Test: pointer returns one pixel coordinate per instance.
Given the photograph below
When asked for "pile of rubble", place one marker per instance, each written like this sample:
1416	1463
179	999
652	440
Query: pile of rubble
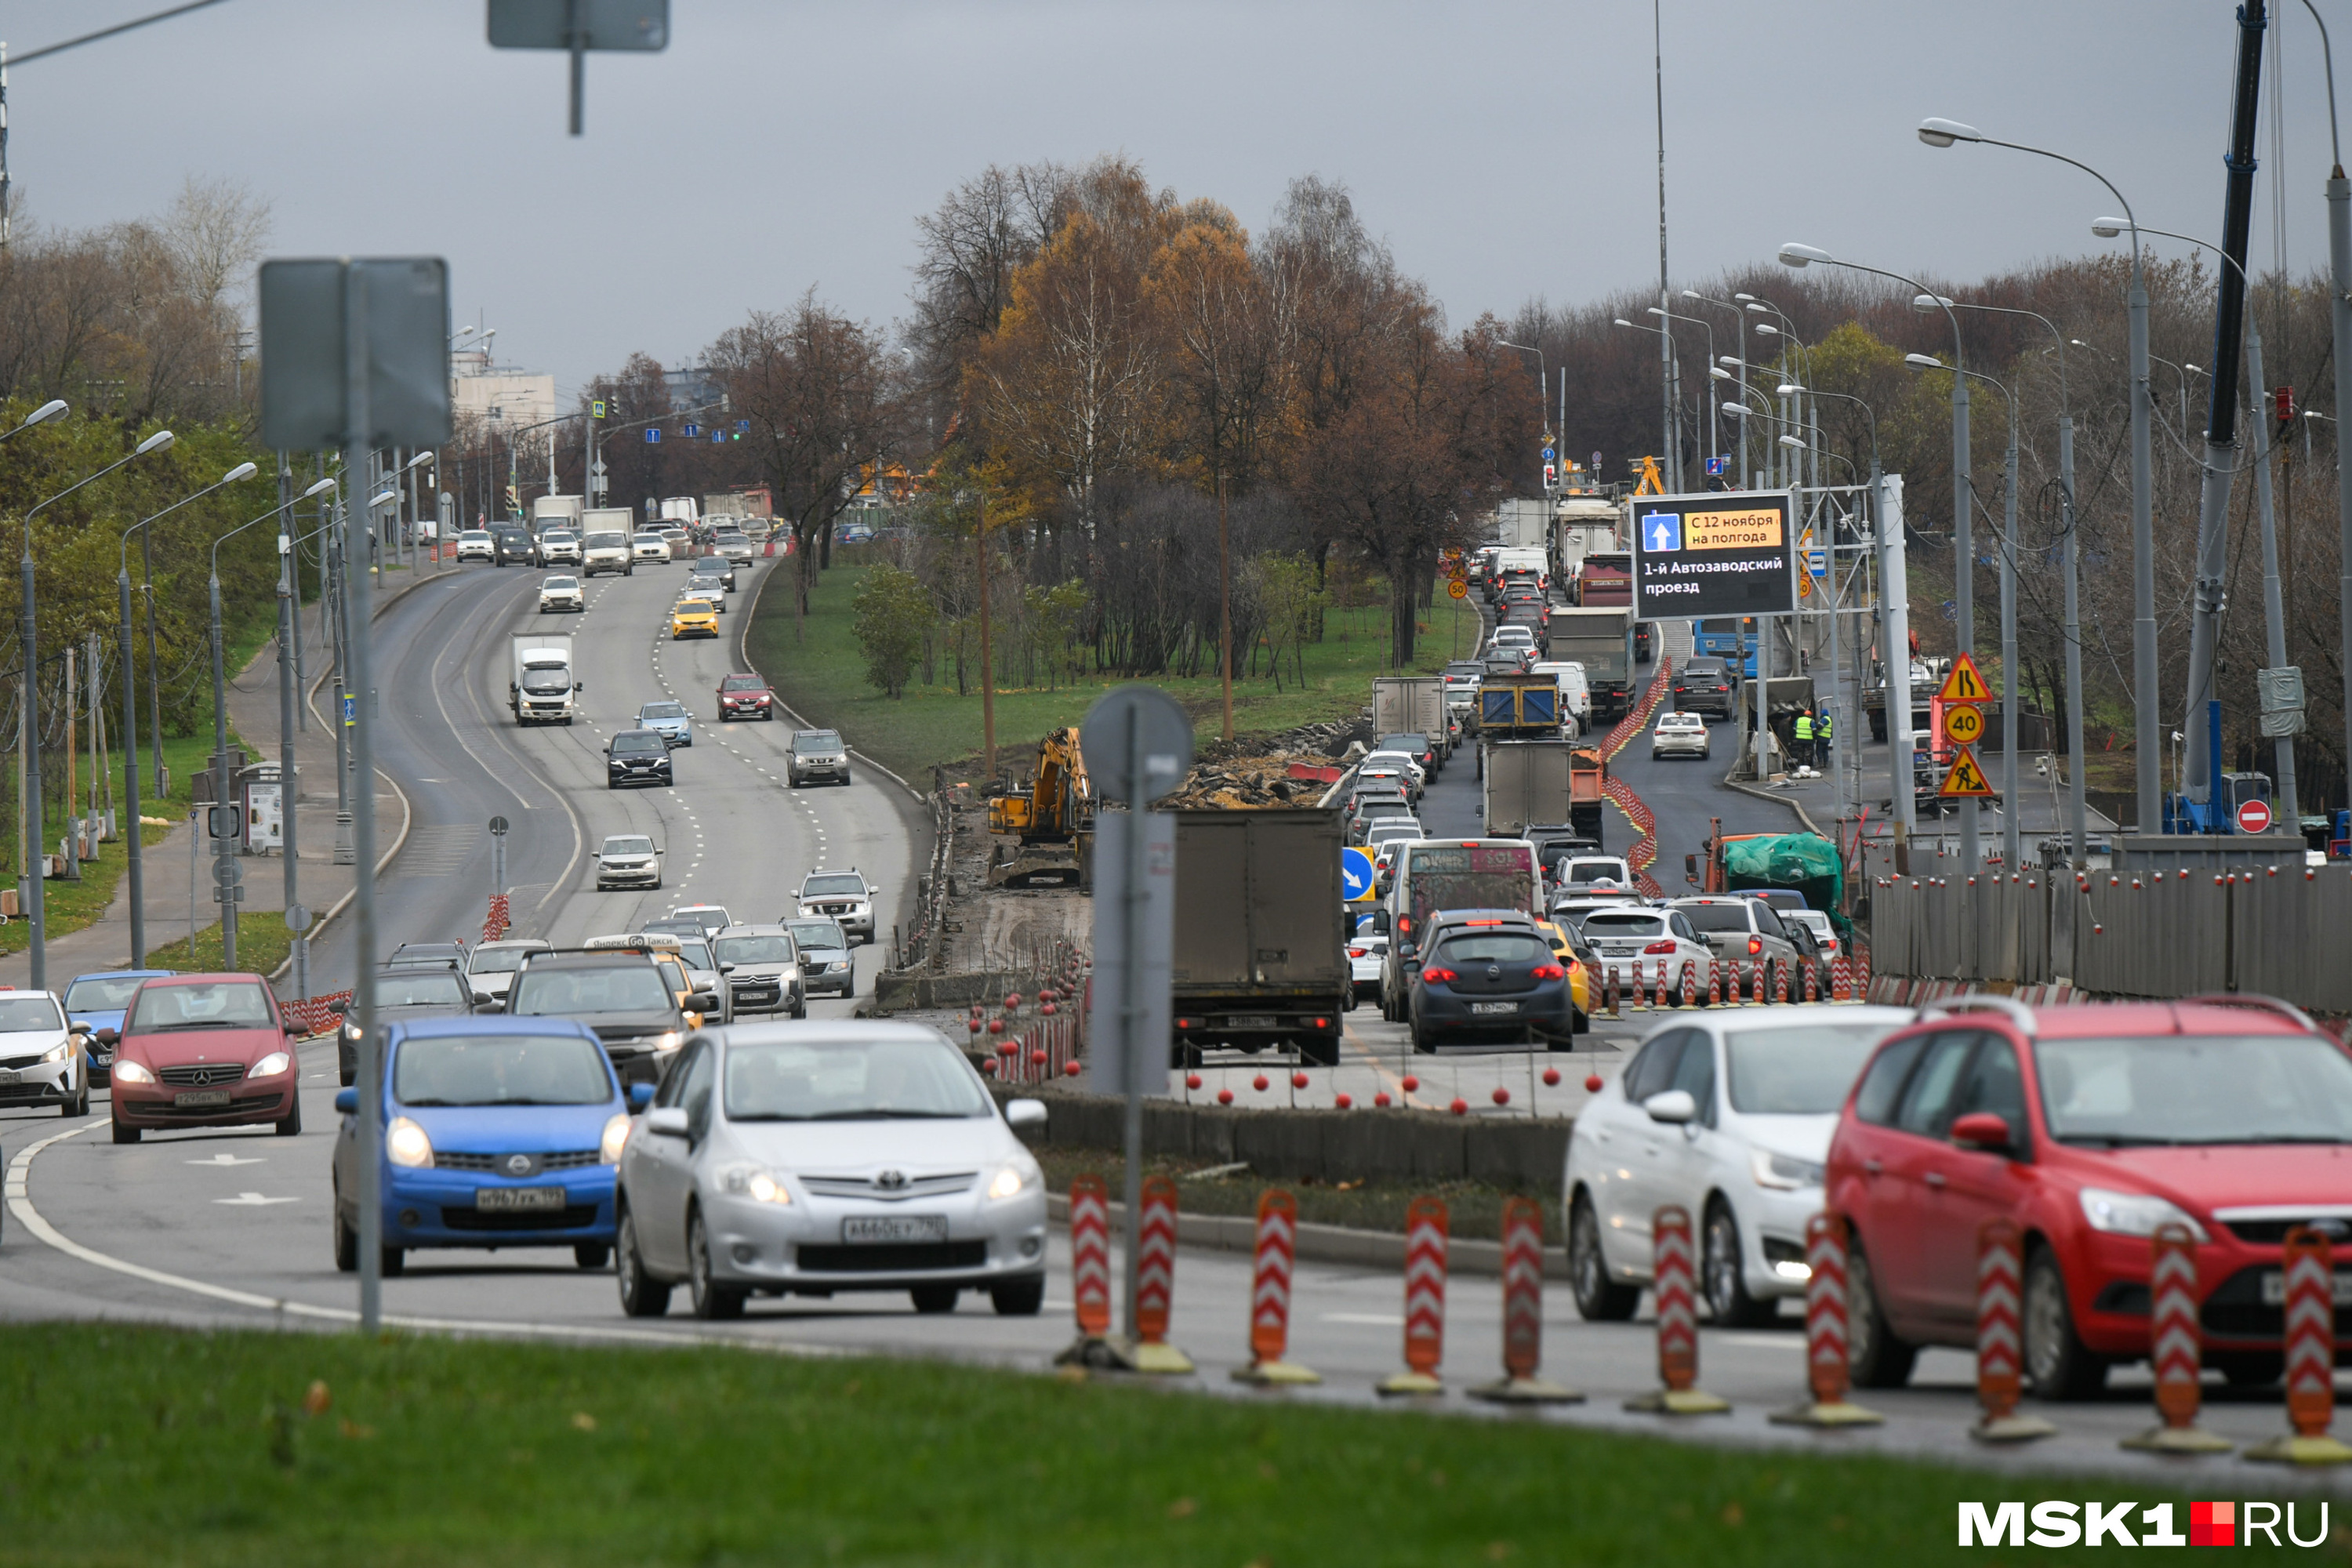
1254	771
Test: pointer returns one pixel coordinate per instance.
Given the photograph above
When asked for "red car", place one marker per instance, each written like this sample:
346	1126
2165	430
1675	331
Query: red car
205	1050
745	697
2089	1126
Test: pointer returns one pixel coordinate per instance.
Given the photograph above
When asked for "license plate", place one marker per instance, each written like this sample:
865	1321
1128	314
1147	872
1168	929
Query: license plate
890	1227
2274	1289
1494	1006
201	1097
11	1077
496	1200
1251	1021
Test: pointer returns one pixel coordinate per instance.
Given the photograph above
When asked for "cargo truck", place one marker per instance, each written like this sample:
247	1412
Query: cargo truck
1531	782
1261	953
542	685
556	511
1601	640
1412	705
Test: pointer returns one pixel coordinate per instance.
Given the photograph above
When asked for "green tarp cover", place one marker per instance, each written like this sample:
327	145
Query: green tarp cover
1802	862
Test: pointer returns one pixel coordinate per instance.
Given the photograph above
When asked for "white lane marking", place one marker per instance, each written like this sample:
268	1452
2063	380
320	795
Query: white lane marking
1374	1319
254	1201
225	1161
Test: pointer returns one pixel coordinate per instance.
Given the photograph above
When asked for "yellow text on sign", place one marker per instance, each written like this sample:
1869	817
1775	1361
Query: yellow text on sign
1757	528
1964	723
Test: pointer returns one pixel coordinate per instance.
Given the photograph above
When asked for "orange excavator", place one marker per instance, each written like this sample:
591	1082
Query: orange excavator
1045	817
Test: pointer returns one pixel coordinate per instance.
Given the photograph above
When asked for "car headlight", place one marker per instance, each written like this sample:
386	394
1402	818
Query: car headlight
273	1064
750	1182
1012	1180
1785	1173
131	1072
405	1143
2135	1213
58	1052
616	1133
669	1042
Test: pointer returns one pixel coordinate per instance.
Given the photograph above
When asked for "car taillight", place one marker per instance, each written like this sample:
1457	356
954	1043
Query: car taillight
1723	688
1440	976
1357	952
1666	947
1546	972
1754	946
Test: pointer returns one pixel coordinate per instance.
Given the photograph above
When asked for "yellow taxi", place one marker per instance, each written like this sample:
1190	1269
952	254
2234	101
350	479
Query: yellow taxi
1580	983
693	618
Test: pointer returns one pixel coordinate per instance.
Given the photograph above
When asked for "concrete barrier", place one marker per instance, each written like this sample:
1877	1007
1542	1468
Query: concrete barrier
1324	1243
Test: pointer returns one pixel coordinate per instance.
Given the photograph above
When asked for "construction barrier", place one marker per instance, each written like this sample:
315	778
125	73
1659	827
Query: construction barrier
1659	995
1277	1245
1523	1313
1713	984
2176	1349
1673	1275
313	1016
2310	1269
1841	980
1155	1283
1780	983
1611	1002
1425	1298
1690	986
2000	1288
1828	1376
499	920
1089	1271
1812	984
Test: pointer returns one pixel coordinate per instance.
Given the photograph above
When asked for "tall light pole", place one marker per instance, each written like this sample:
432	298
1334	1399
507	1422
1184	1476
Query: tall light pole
1713	420
2147	722
1714	367
28	653
2339	293
1672	458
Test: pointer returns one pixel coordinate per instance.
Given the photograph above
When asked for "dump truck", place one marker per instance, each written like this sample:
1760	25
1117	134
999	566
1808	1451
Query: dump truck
1045	817
1548	782
540	684
1601	640
1804	863
1261	952
1521	706
1412	705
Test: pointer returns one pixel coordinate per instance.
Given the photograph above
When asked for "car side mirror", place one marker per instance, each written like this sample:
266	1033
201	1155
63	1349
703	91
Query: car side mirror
1381	921
293	1030
347	1101
1674	1107
1025	1114
1984	1131
579	685
669	1121
1690	870
339	1006
640	1096
727	969
703	1001
107	1036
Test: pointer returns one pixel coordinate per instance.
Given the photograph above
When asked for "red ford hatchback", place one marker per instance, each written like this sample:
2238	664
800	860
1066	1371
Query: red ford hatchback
205	1050
2089	1126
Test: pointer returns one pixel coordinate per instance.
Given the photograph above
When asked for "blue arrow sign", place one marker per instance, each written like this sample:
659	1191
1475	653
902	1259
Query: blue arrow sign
692	431
1547	454
1356	874
653	433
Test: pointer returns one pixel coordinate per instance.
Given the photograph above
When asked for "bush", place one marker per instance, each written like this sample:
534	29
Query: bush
893	614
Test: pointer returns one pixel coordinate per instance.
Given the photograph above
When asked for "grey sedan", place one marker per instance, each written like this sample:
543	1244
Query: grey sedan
798	1159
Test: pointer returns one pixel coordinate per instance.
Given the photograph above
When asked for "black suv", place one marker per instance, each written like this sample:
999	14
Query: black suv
515	547
638	757
624	995
403	991
1704	686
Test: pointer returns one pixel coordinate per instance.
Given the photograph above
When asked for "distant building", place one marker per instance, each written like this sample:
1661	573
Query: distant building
510	398
691	386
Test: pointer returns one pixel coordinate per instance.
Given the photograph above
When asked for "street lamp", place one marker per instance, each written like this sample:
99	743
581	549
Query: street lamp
1543	376
2146	719
1716	373
41	416
130	714
1715	422
1673	371
28	653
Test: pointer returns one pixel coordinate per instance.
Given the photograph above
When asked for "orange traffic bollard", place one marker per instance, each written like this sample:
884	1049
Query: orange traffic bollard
1828	1376
2310	1356
2001	1274
1674	1274
2175	1350
1425	1298
1090	1273
1523	1313
1278	1243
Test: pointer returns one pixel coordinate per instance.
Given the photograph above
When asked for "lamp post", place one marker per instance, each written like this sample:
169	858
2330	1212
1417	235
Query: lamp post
136	868
1673	373
1714	373
28	653
1713	420
2339	292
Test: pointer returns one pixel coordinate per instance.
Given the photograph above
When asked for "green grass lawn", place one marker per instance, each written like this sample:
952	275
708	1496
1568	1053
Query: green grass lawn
822	676
137	1446
262	942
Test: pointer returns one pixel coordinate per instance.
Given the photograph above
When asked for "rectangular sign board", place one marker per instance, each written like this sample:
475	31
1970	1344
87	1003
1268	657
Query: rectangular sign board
1721	553
306	349
1112	1071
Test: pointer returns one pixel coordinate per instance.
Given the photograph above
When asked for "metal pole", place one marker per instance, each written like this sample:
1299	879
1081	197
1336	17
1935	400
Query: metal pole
36	860
1964	573
288	587
1895	620
223	842
2339	272
1131	1011
2077	805
2011	847
2273	616
357	439
154	662
294	613
133	829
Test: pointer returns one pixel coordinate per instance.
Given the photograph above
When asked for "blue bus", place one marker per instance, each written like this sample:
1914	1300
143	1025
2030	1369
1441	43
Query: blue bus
1731	639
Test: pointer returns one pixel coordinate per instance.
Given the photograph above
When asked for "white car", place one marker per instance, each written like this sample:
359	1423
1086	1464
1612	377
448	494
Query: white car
606	552
1584	871
813	1158
560	595
1379	763
650	547
490	966
558	544
43	1061
1679	735
627	860
1572	907
1575	691
844	897
1825	935
1515	639
763	966
1631	942
1367	951
1728	1115
713	918
475	544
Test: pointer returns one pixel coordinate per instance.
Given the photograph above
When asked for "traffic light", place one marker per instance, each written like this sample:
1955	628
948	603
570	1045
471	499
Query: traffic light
514	499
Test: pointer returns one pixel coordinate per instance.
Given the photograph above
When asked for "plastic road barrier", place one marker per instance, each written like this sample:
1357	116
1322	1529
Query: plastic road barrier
2310	1266
1523	1313
1425	1298
1828	1375
1277	1245
2176	1350
1155	1286
2001	1274
1673	1281
1090	1272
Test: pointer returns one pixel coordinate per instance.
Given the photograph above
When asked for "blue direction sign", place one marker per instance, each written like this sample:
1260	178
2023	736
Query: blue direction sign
1356	874
1547	454
1817	562
692	431
653	433
350	709
1715	465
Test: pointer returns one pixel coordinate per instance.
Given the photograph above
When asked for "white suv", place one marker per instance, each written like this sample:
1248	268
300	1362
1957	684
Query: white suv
558	544
606	552
475	544
846	898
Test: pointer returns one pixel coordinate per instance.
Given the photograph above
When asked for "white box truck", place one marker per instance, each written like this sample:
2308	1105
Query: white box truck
1411	705
556	512
542	685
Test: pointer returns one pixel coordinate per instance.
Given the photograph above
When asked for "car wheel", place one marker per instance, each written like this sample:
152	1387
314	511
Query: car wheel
1018	1298
79	1104
396	1261
124	1134
1874	1357
800	1009
642	1295
347	1243
935	1299
2060	1365
592	1255
712	1301
1598	1299
292	1126
1723	1273
1422	1043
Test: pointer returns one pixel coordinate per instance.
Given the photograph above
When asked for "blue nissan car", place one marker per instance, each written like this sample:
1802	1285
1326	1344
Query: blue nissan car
98	1001
498	1133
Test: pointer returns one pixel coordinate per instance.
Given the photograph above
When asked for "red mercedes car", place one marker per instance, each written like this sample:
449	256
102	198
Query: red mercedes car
2089	1126
205	1050
745	697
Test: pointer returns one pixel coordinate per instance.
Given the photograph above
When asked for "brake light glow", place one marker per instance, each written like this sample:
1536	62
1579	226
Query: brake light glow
1357	952
1489	922
1322	1023
1666	946
1754	946
1546	972
1439	976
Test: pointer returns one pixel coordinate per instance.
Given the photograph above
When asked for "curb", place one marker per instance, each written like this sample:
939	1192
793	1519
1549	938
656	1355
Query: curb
1327	1243
743	652
1790	801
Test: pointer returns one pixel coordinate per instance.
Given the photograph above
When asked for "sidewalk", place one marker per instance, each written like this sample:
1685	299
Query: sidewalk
254	714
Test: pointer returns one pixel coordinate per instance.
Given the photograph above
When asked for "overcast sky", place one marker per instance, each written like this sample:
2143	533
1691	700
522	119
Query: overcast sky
1504	148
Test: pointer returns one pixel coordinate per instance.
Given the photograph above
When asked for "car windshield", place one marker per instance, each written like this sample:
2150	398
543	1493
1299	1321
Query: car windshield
696	951
816	741
850	1080
501	1069
1498	947
630	743
627	846
622	988
545	680
606	541
694	607
662	711
216	1005
1596	871
849	884
1598	924
2195	1088
22	1014
1716	917
560	583
1801	1070
110	996
709	565
475	536
755	950
419	988
497	959
818	933
742	683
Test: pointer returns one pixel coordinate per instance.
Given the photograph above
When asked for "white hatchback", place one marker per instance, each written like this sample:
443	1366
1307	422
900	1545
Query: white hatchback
1729	1115
1679	735
1631	942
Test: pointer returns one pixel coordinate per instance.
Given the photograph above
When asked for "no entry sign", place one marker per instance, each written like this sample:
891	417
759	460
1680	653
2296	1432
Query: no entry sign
2254	816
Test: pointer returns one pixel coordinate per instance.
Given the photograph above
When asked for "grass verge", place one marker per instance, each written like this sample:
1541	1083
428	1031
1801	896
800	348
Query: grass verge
822	674
262	944
134	1446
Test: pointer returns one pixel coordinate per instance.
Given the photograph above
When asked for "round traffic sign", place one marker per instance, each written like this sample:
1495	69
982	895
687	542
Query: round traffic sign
497	825
1355	873
298	918
1457	589
2254	816
1964	723
1130	722
228	873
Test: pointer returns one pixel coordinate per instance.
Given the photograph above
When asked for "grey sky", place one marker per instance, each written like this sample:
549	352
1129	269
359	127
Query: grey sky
1505	148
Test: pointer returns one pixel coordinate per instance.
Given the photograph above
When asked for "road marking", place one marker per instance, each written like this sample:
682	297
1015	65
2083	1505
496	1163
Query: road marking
252	1200
1374	1319
225	1161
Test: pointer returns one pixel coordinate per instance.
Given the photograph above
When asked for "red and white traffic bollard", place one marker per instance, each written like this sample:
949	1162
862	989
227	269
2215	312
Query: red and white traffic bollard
1155	1283
1425	1298
1841	980
1278	1243
1828	1375
1612	1003
1658	997
2001	1288
1781	983
1090	1272
1714	983
1523	1313
1755	989
2310	1269
1673	1281
1690	986
2176	1349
